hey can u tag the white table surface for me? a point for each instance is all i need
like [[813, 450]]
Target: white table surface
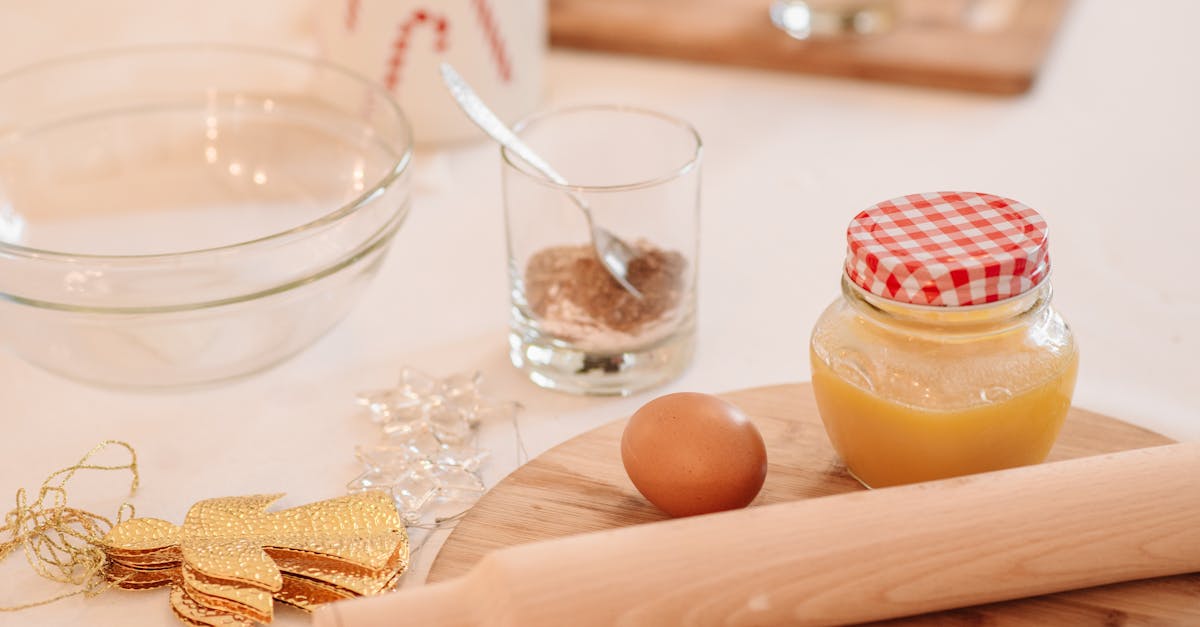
[[1105, 147]]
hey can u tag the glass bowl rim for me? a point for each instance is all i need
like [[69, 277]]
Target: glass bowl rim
[[140, 51], [691, 163]]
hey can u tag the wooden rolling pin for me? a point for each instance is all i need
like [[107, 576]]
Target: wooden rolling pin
[[840, 559]]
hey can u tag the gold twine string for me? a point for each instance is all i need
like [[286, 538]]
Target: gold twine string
[[62, 543]]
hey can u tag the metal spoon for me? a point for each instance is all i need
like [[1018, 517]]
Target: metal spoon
[[614, 254]]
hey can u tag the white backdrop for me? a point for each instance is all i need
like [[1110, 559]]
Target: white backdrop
[[1105, 148]]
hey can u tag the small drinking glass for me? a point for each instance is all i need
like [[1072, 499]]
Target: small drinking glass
[[574, 327]]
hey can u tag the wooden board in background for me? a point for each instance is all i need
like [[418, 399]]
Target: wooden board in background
[[581, 486], [933, 42]]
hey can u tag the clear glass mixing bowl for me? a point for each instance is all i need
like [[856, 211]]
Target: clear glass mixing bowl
[[186, 214]]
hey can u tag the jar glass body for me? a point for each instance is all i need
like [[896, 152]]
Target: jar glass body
[[913, 393]]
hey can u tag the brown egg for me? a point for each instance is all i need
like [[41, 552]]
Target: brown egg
[[691, 453]]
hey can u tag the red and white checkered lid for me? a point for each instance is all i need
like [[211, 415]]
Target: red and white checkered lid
[[949, 249]]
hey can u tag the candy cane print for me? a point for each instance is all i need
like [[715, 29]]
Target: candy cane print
[[491, 31], [400, 44]]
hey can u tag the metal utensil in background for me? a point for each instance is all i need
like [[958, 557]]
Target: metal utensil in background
[[804, 19], [614, 254]]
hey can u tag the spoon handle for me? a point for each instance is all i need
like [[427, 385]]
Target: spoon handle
[[613, 253], [485, 119]]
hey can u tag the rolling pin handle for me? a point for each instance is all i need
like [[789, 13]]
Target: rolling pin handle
[[443, 604]]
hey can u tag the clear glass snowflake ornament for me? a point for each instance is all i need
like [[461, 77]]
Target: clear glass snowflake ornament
[[428, 456]]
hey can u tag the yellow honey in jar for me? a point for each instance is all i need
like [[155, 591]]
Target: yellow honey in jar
[[887, 439], [943, 378]]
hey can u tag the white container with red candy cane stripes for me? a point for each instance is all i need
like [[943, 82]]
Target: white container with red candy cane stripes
[[497, 45]]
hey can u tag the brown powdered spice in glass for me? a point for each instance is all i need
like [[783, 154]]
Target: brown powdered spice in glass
[[573, 274]]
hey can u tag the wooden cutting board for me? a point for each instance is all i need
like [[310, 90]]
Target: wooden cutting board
[[994, 46], [581, 486]]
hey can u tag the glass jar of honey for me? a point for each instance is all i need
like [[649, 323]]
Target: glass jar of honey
[[944, 356]]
